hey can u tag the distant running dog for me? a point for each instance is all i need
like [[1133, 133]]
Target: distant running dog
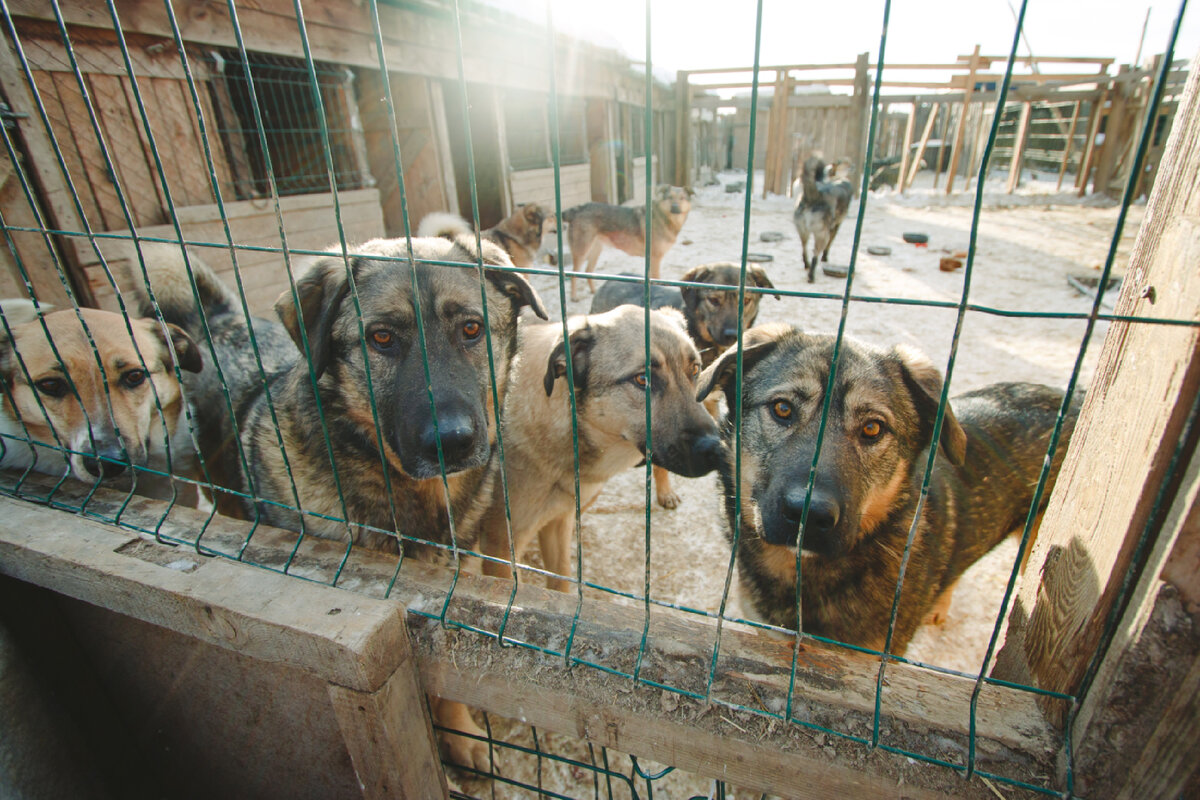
[[608, 372], [868, 480], [820, 209], [519, 234], [381, 430], [593, 225], [712, 320], [90, 398]]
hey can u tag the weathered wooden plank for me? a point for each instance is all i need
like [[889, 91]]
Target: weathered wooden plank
[[922, 710], [1141, 397]]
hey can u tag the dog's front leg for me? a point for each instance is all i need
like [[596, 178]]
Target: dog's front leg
[[471, 753], [555, 540]]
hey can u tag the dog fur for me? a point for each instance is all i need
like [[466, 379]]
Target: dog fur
[[867, 482], [712, 321], [607, 369], [519, 234], [404, 452], [91, 394], [820, 209], [593, 225]]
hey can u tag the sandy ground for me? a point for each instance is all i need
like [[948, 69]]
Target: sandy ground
[[1027, 245]]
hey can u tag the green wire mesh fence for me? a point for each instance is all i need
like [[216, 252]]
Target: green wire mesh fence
[[154, 137]]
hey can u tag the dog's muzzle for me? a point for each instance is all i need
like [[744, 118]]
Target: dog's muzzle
[[459, 437], [692, 460], [106, 463], [823, 515]]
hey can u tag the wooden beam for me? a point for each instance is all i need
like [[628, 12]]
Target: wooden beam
[[916, 164], [683, 128], [1062, 170], [1089, 153], [906, 155], [1138, 405], [968, 90], [734, 735], [1018, 153], [1116, 132], [860, 129]]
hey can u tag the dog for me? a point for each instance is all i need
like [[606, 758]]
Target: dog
[[608, 372], [90, 394], [867, 483], [712, 321], [820, 209], [593, 225], [519, 234], [357, 438]]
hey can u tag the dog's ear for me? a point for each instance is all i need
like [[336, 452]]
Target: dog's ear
[[924, 383], [581, 345], [759, 276], [690, 191], [321, 290], [756, 343], [512, 284], [691, 294], [179, 347], [533, 214]]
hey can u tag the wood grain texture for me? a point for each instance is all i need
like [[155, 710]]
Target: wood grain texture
[[1130, 426]]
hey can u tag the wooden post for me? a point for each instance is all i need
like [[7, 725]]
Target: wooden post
[[862, 118], [905, 155], [683, 128], [1138, 406], [969, 89], [937, 164], [1018, 153], [1089, 153], [1115, 132], [916, 163], [1067, 148]]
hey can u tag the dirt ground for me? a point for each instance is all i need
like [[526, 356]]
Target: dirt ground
[[1028, 244]]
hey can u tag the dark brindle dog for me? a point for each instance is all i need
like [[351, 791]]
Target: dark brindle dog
[[404, 446], [711, 314], [868, 480], [593, 225], [820, 210], [712, 321]]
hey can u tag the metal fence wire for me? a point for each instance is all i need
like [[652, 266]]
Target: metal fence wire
[[142, 131]]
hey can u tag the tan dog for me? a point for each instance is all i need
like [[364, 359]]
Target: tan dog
[[95, 401], [594, 225], [608, 370], [519, 234]]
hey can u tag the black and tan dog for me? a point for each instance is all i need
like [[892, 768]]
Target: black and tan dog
[[867, 482], [712, 321], [519, 234], [340, 463], [820, 209], [93, 394], [593, 225], [711, 313], [608, 372]]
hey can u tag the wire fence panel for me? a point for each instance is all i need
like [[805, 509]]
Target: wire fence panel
[[333, 286]]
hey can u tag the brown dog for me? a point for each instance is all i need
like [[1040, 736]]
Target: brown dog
[[867, 484], [608, 371], [519, 234], [712, 321], [593, 225], [94, 394]]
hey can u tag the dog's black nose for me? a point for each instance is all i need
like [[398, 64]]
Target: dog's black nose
[[823, 515], [707, 453], [110, 466], [457, 435]]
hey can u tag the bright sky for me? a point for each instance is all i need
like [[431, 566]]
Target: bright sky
[[691, 34]]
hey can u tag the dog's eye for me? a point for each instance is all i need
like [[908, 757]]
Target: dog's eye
[[133, 378], [640, 379], [872, 429], [694, 370], [52, 387], [714, 301], [383, 339], [472, 329], [782, 410]]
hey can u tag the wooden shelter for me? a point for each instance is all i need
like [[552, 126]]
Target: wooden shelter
[[233, 129]]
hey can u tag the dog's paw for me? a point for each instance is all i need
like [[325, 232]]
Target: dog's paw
[[469, 753], [669, 500]]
